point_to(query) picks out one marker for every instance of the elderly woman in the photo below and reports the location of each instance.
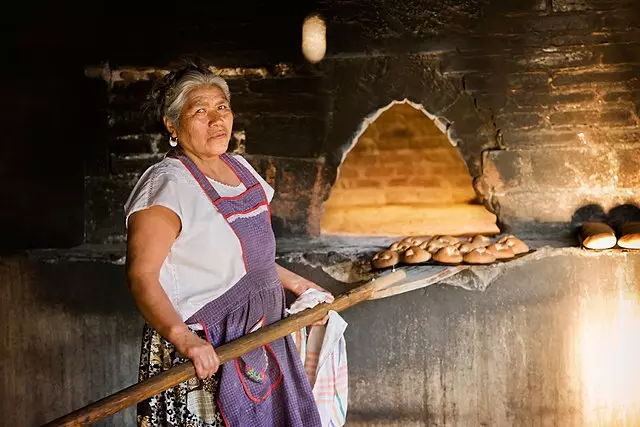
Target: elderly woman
(201, 268)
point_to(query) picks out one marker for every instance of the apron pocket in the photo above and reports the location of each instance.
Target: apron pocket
(258, 384)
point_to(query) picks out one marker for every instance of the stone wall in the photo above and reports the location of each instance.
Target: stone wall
(539, 95)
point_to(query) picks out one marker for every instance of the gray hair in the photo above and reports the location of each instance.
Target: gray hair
(176, 96)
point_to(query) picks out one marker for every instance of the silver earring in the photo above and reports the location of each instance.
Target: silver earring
(173, 141)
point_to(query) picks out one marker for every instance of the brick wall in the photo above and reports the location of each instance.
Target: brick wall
(541, 97)
(402, 158)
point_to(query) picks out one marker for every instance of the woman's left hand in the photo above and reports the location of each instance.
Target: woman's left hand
(303, 286)
(298, 285)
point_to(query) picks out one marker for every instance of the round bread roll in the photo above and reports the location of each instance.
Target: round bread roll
(466, 247)
(504, 238)
(416, 240)
(480, 255)
(516, 245)
(399, 246)
(448, 255)
(449, 240)
(415, 254)
(481, 241)
(435, 245)
(384, 259)
(500, 250)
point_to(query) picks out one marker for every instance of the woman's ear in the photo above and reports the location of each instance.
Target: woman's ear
(169, 125)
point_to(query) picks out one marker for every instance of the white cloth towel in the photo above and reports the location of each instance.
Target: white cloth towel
(323, 352)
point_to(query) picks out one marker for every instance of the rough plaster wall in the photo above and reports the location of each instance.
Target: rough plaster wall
(70, 335)
(550, 342)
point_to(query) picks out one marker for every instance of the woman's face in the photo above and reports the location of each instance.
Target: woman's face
(206, 121)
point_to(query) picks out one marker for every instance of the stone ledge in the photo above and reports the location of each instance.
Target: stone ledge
(346, 260)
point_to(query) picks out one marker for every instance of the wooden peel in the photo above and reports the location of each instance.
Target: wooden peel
(416, 277)
(389, 283)
(227, 352)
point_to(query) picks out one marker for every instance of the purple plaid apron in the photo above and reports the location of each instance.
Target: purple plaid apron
(268, 386)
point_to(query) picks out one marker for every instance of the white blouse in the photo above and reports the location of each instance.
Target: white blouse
(206, 258)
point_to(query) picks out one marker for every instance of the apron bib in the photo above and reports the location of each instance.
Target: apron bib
(267, 386)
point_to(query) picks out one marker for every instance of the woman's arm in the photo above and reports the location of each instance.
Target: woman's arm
(298, 284)
(151, 233)
(295, 283)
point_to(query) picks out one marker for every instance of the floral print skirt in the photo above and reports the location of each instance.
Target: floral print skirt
(190, 404)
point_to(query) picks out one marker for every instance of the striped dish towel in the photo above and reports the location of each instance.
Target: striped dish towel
(323, 352)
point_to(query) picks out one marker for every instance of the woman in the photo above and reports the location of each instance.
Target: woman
(201, 268)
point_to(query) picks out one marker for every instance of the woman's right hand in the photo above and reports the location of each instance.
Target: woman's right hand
(201, 353)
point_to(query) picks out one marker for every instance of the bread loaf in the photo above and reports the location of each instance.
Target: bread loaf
(449, 240)
(448, 255)
(435, 245)
(500, 251)
(416, 240)
(516, 245)
(466, 247)
(384, 259)
(415, 254)
(479, 255)
(399, 246)
(481, 241)
(597, 235)
(630, 235)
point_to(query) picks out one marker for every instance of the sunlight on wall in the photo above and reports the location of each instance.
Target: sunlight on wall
(609, 342)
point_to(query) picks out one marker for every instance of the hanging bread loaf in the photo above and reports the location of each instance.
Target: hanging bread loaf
(415, 255)
(480, 255)
(630, 235)
(384, 259)
(448, 255)
(597, 235)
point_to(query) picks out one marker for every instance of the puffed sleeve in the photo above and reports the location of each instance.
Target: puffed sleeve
(155, 187)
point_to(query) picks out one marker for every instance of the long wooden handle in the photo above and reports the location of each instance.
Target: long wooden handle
(227, 352)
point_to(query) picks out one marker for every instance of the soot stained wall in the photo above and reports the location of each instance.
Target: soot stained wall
(541, 95)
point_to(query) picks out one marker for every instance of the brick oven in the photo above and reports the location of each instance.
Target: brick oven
(424, 117)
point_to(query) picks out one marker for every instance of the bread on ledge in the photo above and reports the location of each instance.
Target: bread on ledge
(448, 255)
(597, 235)
(480, 255)
(384, 259)
(415, 255)
(516, 245)
(630, 235)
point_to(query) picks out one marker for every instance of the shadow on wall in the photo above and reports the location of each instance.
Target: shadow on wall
(82, 288)
(72, 336)
(614, 218)
(561, 230)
